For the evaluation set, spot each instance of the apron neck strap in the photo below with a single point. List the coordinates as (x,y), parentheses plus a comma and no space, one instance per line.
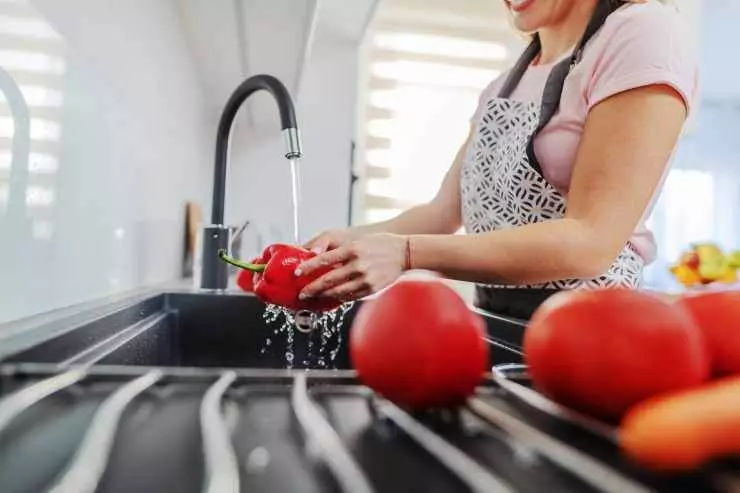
(556,81)
(603,9)
(517,72)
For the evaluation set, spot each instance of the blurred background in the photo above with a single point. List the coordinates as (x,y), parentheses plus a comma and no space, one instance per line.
(108,111)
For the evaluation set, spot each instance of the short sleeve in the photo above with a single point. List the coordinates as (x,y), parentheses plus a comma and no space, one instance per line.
(648,44)
(486,95)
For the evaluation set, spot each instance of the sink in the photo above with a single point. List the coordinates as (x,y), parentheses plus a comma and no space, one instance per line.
(123,427)
(216,330)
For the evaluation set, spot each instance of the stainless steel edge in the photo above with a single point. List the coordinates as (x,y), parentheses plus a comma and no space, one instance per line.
(485,313)
(510,348)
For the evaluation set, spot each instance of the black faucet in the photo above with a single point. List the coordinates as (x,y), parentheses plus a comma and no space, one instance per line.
(217,236)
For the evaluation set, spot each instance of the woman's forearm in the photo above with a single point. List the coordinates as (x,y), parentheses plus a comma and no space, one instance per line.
(536,253)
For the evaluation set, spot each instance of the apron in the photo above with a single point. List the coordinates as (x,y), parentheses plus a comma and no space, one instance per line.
(502,184)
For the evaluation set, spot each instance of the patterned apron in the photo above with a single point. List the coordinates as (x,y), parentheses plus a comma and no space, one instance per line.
(502,184)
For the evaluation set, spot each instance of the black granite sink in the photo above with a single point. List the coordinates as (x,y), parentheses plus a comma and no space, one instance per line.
(224,330)
(180,396)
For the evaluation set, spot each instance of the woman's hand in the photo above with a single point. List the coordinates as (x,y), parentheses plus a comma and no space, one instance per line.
(329,240)
(364,266)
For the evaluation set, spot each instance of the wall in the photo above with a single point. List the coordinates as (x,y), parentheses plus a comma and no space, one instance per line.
(259,186)
(133,146)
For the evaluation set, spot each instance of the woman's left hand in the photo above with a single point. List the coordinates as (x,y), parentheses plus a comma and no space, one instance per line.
(364,266)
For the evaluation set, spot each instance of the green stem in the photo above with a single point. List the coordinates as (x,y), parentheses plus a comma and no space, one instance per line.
(238,263)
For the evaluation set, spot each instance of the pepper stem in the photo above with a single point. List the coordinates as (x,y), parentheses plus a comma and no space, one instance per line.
(238,263)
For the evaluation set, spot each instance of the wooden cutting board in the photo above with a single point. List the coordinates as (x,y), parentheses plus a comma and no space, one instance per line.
(193,226)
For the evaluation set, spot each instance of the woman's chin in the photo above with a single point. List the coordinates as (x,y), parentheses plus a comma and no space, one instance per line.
(525,25)
(530,16)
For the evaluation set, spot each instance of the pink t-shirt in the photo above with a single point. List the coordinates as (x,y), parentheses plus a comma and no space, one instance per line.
(639,45)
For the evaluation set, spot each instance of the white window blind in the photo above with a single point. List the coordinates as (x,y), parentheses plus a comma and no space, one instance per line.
(32,57)
(426,63)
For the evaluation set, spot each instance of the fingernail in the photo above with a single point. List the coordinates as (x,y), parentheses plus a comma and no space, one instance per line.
(298,272)
(303,296)
(316,250)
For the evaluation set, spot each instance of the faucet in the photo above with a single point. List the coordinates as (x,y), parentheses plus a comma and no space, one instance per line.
(217,236)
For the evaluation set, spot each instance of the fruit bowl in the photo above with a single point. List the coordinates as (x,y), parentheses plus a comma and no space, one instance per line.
(705,265)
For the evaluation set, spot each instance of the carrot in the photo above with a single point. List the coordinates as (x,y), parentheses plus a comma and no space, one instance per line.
(684,430)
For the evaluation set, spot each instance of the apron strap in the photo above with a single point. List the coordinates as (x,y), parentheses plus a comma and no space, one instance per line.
(556,81)
(515,302)
(517,72)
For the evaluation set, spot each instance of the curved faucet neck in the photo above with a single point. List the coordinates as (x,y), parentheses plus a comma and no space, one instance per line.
(288,123)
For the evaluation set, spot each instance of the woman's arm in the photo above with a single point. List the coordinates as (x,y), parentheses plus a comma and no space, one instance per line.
(441,215)
(626,144)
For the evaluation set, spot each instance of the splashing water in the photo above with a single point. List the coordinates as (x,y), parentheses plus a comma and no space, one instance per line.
(324,325)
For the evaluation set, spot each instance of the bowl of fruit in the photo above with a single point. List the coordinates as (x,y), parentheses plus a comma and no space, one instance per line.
(706,264)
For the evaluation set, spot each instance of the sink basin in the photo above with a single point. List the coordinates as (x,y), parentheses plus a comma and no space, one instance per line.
(224,330)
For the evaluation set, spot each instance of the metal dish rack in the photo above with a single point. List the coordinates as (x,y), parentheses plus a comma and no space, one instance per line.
(121,429)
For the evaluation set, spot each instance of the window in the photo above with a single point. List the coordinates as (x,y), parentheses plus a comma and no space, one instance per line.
(426,65)
(32,65)
(687,204)
(684,214)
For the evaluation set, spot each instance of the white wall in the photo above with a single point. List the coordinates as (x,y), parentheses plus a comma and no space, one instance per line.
(134,146)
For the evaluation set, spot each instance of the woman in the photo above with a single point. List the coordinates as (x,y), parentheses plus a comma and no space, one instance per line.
(565,155)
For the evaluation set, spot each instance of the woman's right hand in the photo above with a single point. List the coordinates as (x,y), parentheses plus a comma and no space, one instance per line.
(329,240)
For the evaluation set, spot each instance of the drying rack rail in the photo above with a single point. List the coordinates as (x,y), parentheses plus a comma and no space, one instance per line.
(116,429)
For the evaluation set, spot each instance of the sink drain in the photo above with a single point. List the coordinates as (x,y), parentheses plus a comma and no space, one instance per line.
(305,321)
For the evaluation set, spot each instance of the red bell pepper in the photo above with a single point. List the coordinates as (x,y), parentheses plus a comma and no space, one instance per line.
(245,281)
(275,282)
(245,278)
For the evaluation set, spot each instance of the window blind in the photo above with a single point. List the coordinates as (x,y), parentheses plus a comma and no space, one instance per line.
(32,59)
(425,64)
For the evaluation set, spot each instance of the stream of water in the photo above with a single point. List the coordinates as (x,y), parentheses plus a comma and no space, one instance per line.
(295,175)
(320,327)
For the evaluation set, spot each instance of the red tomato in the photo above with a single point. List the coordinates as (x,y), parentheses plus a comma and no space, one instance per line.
(603,351)
(418,345)
(718,315)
